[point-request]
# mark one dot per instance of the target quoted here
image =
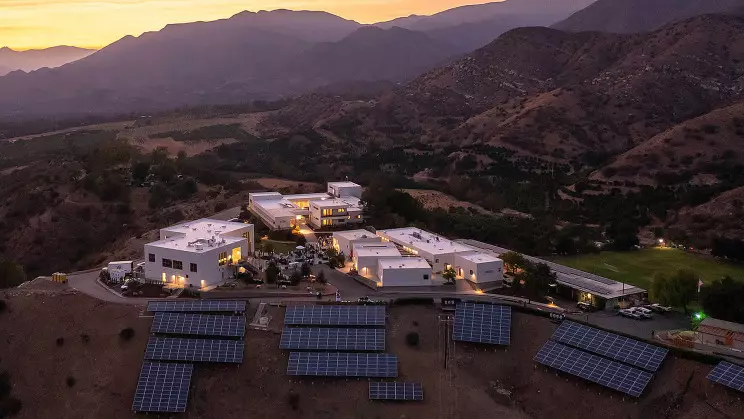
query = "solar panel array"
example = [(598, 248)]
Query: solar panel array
[(340, 364), (395, 391), (329, 315), (195, 350), (163, 387), (612, 374), (196, 306), (484, 323), (198, 324), (728, 374), (610, 345), (319, 338)]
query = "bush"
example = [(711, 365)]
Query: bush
[(60, 341), (412, 339), (84, 337), (5, 386), (3, 306), (294, 400), (126, 334), (10, 406), (70, 381)]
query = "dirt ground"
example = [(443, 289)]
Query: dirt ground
[(191, 148), (292, 185), (106, 370)]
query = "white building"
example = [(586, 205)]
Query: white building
[(438, 251), (198, 253), (403, 272), (339, 206), (366, 256), (479, 268), (344, 241)]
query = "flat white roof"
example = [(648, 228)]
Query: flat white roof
[(345, 184), (423, 241), (352, 235), (331, 203), (478, 257), (199, 233), (403, 263), (375, 249)]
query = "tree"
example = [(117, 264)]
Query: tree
[(676, 290), (537, 279), (450, 275), (322, 278), (295, 278), (722, 300), (272, 273), (305, 269), (140, 170), (11, 273), (513, 261)]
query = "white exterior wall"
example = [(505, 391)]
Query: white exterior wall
[(343, 191), (208, 268), (405, 277), (483, 272), (340, 215), (346, 246)]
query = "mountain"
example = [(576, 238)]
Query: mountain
[(549, 93), (309, 26), (238, 60), (631, 16), (35, 59)]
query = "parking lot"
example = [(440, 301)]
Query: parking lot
[(641, 328)]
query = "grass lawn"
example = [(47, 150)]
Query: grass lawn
[(639, 267), (281, 246)]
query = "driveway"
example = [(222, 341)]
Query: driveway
[(86, 283), (639, 328)]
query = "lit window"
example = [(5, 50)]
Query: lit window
[(222, 258), (167, 263), (151, 257), (177, 264)]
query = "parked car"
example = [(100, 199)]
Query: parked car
[(584, 306), (659, 308), (644, 312), (630, 313)]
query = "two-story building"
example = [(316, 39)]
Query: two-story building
[(198, 253)]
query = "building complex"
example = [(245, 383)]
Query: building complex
[(339, 206), (198, 253)]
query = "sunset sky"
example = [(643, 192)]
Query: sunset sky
[(26, 24)]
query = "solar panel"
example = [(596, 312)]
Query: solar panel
[(195, 350), (198, 324), (728, 374), (610, 345), (196, 306), (319, 338), (395, 391), (340, 364), (484, 323), (328, 315), (612, 374), (163, 387)]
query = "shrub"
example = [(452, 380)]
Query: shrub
[(5, 386), (412, 339), (84, 337), (10, 406), (294, 400), (126, 334), (3, 306), (60, 341), (70, 381)]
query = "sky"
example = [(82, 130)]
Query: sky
[(28, 24)]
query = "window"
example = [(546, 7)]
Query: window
[(359, 217), (167, 263), (426, 276), (471, 272), (327, 212), (436, 261), (151, 257), (223, 258), (192, 268), (236, 254), (245, 235), (177, 264)]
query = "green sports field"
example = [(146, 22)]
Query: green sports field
[(639, 267)]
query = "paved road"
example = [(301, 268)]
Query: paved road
[(87, 284), (640, 328)]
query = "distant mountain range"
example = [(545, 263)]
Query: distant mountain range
[(630, 16), (263, 55), (31, 60)]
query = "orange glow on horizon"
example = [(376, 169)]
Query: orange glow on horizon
[(34, 24)]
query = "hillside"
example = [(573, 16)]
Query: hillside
[(631, 16), (31, 60)]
